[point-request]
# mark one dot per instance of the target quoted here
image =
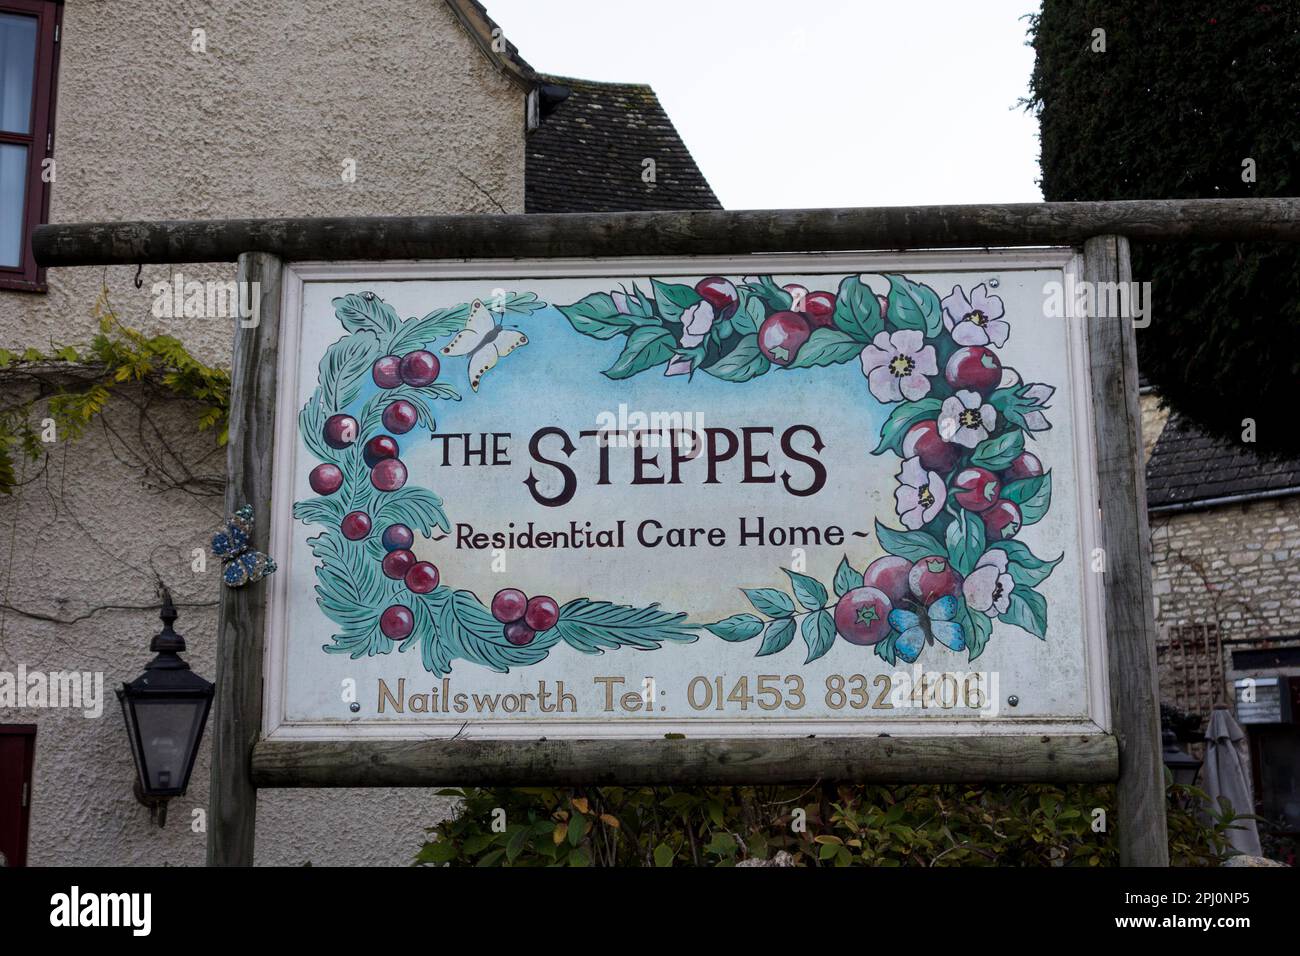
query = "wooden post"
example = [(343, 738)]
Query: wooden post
[(237, 707), (1130, 617)]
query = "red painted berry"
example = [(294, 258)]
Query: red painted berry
[(979, 488), (387, 371), (519, 634), (400, 417), (340, 431), (379, 448), (933, 578), (397, 563), (862, 615), (355, 525), (422, 578), (819, 309), (719, 293), (419, 369), (889, 574), (1024, 465), (974, 367), (509, 605), (397, 622), (397, 537), (923, 440), (388, 475), (781, 336), (1002, 521), (325, 479), (541, 613)]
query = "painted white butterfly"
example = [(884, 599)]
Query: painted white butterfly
[(485, 341)]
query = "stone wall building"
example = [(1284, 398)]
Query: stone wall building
[(245, 109), (1225, 552)]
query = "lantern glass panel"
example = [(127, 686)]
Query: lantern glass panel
[(167, 730)]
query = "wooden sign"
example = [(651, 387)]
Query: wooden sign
[(831, 495)]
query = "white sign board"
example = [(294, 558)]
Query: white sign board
[(761, 496)]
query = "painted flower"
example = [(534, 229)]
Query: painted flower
[(976, 320), (620, 302), (988, 587), (920, 494), (966, 419), (896, 366), (1040, 394), (935, 623), (696, 322)]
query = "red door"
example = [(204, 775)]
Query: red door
[(17, 748)]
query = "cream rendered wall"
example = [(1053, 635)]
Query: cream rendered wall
[(259, 125)]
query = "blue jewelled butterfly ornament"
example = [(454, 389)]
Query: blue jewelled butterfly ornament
[(240, 564)]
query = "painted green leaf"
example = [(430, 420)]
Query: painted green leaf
[(826, 347), (738, 627), (857, 312), (846, 578), (417, 508), (365, 312), (914, 306), (1027, 609), (462, 623), (770, 601), (1023, 567), (900, 421), (965, 542), (978, 637), (913, 545), (591, 626), (344, 368), (742, 363), (325, 511), (997, 453), (778, 637), (1033, 495), (597, 316), (750, 315), (886, 648), (647, 346), (810, 592), (819, 634), (673, 299), (772, 295)]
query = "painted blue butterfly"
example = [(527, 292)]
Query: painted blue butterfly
[(934, 623), (240, 564)]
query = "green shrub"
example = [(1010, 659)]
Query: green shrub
[(1184, 98), (861, 825)]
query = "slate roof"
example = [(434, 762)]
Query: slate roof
[(587, 152), (1189, 467)]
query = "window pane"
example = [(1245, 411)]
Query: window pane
[(13, 193), (17, 71)]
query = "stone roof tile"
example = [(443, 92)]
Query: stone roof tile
[(587, 154)]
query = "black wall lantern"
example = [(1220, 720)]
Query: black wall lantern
[(165, 709)]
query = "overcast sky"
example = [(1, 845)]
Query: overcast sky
[(788, 103)]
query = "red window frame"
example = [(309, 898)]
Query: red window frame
[(27, 276)]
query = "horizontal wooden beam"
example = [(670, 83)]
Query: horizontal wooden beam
[(612, 762), (701, 232)]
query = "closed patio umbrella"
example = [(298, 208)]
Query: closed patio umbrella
[(1226, 773)]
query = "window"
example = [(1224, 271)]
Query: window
[(28, 45)]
